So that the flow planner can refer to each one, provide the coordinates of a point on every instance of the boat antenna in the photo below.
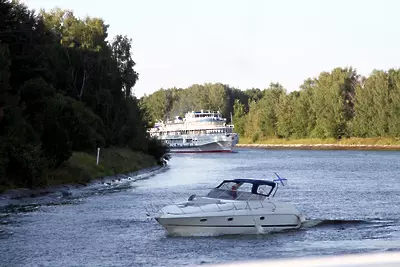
(280, 179)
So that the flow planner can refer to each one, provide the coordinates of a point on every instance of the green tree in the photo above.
(372, 106)
(121, 49)
(157, 105)
(285, 115)
(304, 118)
(239, 117)
(253, 121)
(394, 102)
(268, 106)
(333, 103)
(88, 34)
(63, 87)
(218, 98)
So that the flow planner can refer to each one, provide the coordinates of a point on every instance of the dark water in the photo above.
(351, 199)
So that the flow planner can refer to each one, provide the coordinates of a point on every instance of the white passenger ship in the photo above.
(198, 131)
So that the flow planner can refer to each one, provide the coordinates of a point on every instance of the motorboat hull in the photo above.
(223, 223)
(218, 231)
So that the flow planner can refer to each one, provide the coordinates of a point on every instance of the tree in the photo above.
(304, 118)
(239, 117)
(5, 63)
(333, 103)
(88, 34)
(63, 87)
(253, 121)
(157, 105)
(372, 106)
(394, 102)
(285, 115)
(121, 48)
(218, 98)
(268, 105)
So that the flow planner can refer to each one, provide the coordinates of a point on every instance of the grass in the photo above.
(82, 167)
(314, 141)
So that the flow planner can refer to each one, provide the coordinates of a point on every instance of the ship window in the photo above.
(262, 218)
(230, 219)
(203, 220)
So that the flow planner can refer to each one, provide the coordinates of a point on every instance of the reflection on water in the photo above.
(350, 199)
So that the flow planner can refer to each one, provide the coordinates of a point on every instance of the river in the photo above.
(351, 200)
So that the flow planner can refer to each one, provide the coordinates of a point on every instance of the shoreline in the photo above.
(20, 195)
(81, 168)
(321, 146)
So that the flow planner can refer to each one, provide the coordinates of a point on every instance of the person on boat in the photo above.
(234, 190)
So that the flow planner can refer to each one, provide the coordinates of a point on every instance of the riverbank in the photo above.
(329, 143)
(25, 199)
(81, 168)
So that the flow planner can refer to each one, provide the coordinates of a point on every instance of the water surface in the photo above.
(351, 199)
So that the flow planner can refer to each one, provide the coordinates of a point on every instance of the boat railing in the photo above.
(249, 201)
(234, 195)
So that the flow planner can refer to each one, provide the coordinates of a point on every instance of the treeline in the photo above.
(168, 103)
(63, 88)
(337, 104)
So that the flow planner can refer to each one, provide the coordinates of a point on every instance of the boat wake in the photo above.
(343, 223)
(306, 225)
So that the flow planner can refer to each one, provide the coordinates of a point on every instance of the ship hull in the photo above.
(214, 147)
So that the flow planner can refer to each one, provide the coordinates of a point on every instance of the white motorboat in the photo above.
(238, 206)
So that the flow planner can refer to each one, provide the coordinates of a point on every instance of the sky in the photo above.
(246, 43)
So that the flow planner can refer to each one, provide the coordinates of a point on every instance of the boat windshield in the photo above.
(240, 191)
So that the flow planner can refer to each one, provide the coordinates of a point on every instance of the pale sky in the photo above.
(246, 43)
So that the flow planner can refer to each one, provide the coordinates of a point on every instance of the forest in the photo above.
(336, 104)
(63, 88)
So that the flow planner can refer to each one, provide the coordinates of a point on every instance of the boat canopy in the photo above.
(243, 189)
(255, 182)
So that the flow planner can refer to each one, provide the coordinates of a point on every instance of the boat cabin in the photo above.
(244, 189)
